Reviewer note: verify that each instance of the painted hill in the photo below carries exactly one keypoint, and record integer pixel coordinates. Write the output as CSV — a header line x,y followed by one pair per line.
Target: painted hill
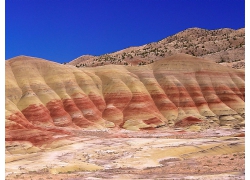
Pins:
x,y
44,98
225,46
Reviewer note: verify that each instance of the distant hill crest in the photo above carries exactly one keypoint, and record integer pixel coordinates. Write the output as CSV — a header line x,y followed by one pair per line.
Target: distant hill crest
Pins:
x,y
225,46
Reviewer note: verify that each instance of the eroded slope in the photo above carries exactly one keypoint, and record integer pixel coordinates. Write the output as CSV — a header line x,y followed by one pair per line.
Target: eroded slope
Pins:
x,y
44,98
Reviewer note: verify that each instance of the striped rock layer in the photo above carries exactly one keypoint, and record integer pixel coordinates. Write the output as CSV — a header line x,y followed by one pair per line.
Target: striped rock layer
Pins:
x,y
44,98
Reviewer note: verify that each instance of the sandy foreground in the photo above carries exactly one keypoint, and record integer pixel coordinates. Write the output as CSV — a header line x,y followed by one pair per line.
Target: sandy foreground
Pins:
x,y
122,154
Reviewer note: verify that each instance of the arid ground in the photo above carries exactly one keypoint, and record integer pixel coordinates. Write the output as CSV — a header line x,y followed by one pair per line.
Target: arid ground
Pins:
x,y
121,154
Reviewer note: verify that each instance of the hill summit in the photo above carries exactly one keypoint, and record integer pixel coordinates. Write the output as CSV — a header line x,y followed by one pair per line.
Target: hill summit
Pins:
x,y
225,46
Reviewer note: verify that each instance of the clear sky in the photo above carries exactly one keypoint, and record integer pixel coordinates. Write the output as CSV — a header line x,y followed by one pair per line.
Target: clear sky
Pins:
x,y
62,30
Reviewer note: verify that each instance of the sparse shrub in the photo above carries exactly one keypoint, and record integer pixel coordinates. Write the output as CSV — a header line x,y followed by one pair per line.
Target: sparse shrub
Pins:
x,y
221,60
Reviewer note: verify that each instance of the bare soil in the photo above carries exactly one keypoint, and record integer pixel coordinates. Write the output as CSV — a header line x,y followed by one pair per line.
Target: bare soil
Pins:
x,y
122,154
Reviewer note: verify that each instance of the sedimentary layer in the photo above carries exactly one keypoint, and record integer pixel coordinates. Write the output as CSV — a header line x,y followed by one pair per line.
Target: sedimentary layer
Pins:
x,y
44,98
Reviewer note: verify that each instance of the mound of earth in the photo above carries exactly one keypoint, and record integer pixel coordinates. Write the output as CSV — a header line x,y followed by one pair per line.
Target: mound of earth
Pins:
x,y
44,98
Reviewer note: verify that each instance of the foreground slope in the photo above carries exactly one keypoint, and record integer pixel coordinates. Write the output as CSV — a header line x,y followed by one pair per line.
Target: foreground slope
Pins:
x,y
44,98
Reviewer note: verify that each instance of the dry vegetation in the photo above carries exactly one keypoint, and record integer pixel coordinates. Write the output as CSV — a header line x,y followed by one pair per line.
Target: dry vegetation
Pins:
x,y
225,46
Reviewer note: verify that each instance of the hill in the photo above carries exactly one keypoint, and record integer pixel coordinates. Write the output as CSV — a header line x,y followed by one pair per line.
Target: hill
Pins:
x,y
124,122
175,92
225,46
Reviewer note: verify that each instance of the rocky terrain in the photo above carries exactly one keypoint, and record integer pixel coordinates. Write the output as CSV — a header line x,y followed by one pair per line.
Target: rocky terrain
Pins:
x,y
225,46
124,122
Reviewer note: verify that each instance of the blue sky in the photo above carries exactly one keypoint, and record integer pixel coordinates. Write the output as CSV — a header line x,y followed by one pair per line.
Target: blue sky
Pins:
x,y
62,30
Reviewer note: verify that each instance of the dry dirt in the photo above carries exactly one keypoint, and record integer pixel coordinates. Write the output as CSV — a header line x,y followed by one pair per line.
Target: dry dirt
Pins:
x,y
122,154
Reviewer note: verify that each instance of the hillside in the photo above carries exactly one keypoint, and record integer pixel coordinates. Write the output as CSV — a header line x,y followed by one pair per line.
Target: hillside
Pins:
x,y
175,91
225,46
124,122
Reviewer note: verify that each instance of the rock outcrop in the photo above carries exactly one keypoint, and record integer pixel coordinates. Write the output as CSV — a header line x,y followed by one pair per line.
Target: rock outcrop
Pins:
x,y
45,98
